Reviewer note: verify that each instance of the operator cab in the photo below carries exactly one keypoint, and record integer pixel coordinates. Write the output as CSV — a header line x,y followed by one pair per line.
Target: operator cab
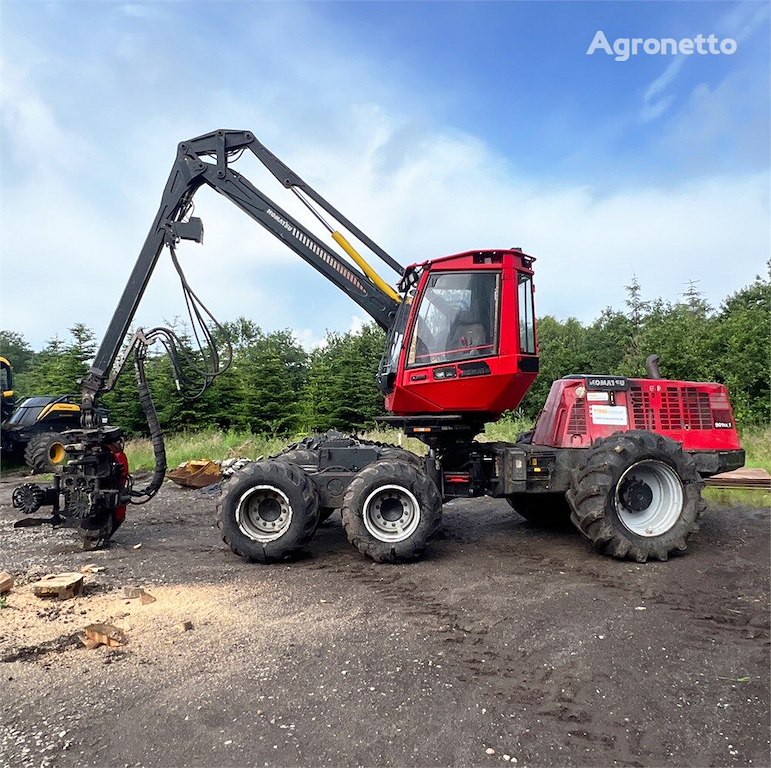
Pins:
x,y
464,337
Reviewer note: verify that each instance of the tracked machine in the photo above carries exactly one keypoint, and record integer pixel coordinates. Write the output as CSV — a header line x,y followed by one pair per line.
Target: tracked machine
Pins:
x,y
623,458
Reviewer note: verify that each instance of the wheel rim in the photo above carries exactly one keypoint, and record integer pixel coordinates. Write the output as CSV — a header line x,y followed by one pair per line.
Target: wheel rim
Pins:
x,y
56,453
649,498
264,513
391,513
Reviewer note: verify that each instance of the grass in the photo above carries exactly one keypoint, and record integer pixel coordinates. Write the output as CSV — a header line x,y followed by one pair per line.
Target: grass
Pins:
x,y
757,442
205,444
508,428
737,497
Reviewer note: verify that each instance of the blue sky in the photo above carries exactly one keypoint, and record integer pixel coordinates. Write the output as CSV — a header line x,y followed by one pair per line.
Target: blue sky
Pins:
x,y
436,126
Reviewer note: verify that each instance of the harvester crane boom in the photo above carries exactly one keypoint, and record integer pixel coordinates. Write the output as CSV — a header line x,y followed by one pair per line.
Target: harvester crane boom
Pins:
x,y
194,168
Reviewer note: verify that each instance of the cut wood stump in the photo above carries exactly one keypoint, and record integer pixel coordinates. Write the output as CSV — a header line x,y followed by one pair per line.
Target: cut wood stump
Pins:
x,y
61,585
103,634
134,593
6,582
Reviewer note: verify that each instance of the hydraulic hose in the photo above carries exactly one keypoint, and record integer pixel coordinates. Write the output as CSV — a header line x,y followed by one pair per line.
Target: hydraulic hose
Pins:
x,y
156,433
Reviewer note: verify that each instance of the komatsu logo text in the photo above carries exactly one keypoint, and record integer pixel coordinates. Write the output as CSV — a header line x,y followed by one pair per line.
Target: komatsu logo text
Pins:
x,y
323,254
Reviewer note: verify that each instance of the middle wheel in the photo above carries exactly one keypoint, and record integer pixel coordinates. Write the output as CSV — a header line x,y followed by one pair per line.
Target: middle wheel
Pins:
x,y
390,511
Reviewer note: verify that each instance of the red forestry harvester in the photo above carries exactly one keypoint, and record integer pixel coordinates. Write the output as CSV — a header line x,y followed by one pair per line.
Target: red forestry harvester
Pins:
x,y
624,458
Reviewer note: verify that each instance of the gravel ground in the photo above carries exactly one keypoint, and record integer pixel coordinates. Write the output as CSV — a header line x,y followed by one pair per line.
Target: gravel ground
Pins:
x,y
507,644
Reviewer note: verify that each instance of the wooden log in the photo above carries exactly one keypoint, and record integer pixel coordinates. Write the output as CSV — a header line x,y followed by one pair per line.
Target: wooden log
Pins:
x,y
6,582
61,585
104,634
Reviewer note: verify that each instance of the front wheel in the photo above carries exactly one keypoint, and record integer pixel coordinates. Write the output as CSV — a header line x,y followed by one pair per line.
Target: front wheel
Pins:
x,y
391,510
268,511
637,496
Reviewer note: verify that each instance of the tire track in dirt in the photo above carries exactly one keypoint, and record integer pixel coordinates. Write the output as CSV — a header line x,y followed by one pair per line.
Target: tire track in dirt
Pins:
x,y
474,650
557,691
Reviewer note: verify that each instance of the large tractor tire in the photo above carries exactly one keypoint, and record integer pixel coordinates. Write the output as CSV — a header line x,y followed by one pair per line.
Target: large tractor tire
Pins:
x,y
547,510
45,452
637,496
303,457
394,453
268,511
391,510
307,460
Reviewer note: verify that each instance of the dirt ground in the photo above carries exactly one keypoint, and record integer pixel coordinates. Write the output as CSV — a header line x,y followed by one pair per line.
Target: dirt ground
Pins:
x,y
507,644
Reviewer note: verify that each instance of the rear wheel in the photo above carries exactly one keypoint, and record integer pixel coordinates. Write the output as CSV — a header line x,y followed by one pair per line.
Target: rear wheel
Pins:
x,y
45,452
268,511
391,510
637,496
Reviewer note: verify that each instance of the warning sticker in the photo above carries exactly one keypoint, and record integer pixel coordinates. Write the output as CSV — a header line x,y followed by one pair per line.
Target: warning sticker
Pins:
x,y
609,414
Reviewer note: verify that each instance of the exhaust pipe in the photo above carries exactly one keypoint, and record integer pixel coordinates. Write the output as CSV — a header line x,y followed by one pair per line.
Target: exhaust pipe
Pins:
x,y
652,366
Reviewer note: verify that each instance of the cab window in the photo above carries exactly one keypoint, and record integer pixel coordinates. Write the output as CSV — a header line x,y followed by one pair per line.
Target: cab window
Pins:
x,y
458,318
526,314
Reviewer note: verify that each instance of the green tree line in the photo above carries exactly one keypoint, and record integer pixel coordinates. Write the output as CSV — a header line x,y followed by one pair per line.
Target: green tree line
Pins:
x,y
274,386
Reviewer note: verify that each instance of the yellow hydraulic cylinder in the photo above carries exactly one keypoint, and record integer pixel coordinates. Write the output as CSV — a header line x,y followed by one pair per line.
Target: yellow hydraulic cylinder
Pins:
x,y
368,271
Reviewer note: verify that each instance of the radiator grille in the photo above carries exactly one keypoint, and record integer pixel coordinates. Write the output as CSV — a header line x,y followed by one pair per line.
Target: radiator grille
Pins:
x,y
577,423
670,408
696,411
681,408
641,408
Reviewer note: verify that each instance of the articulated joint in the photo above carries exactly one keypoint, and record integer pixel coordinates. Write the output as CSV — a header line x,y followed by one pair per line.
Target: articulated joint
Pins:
x,y
90,386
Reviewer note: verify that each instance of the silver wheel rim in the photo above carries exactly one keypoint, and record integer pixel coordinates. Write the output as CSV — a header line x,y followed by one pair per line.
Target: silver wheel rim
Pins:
x,y
263,513
391,513
649,498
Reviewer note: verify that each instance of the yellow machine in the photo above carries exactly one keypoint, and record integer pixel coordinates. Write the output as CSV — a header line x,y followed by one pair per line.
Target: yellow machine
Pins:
x,y
32,430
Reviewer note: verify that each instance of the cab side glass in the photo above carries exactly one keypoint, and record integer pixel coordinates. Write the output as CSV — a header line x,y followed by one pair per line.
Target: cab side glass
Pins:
x,y
526,314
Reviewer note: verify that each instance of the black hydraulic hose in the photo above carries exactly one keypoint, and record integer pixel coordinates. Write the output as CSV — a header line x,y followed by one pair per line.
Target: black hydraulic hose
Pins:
x,y
156,433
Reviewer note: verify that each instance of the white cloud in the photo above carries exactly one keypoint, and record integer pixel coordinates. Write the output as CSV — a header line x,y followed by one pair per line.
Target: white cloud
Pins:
x,y
654,103
77,208
442,194
744,19
740,23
